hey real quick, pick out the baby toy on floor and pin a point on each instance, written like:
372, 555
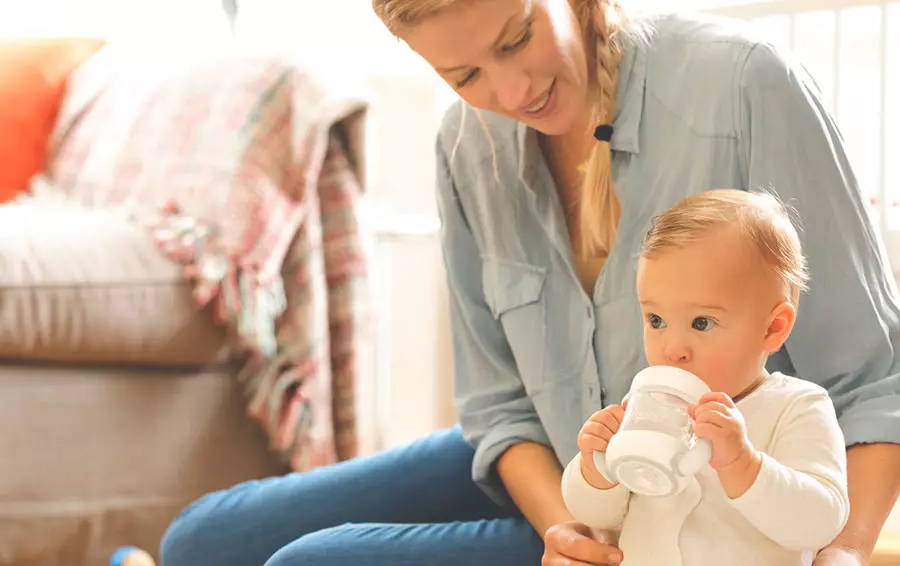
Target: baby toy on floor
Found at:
131, 556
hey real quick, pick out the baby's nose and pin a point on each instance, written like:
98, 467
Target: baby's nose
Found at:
678, 352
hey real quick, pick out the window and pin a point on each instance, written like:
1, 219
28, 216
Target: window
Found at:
852, 49
133, 20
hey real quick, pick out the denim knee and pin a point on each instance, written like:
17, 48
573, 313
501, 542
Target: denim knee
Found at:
176, 548
502, 542
329, 547
189, 537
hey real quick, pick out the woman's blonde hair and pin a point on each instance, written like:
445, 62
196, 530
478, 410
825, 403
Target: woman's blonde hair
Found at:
762, 219
601, 21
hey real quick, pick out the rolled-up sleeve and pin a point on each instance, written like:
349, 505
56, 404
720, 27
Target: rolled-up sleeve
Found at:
848, 325
493, 408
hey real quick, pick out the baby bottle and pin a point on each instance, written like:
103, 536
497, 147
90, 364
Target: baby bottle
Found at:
655, 451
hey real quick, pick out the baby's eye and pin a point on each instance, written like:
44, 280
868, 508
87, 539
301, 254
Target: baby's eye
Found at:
656, 321
702, 324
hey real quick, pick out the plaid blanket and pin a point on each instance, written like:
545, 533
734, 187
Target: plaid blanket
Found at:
248, 171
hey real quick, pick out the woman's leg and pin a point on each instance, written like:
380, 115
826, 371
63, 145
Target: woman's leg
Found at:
495, 542
428, 481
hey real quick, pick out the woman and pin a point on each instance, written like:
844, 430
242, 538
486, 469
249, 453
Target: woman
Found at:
540, 254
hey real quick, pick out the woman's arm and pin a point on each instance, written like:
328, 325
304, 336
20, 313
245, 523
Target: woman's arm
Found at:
847, 336
873, 470
532, 475
496, 415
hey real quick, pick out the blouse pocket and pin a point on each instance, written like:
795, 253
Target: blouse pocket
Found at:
514, 294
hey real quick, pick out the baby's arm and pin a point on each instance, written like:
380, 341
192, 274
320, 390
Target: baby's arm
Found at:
799, 499
598, 508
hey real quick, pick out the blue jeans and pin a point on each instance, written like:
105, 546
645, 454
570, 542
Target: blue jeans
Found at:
410, 505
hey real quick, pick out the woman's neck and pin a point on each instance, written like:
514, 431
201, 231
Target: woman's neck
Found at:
565, 155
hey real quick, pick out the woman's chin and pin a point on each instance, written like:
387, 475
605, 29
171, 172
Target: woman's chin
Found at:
560, 122
548, 129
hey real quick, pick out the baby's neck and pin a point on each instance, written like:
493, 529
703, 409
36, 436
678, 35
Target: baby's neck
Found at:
753, 386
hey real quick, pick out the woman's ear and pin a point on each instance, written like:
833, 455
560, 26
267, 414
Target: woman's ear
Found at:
779, 326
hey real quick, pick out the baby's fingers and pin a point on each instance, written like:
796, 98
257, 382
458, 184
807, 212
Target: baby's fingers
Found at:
717, 397
617, 412
601, 430
588, 443
611, 417
714, 417
710, 408
594, 436
607, 415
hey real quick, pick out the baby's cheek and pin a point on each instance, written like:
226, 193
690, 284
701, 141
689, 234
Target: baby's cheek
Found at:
721, 370
654, 350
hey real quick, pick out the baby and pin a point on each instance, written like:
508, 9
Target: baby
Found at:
719, 279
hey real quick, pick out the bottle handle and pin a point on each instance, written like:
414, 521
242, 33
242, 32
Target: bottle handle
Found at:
603, 467
695, 458
600, 457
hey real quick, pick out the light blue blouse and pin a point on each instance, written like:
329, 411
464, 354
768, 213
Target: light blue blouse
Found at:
702, 105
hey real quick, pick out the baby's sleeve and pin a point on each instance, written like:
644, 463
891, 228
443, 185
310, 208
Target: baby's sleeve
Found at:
599, 508
799, 499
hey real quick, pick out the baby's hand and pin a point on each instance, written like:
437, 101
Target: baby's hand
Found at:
594, 437
718, 420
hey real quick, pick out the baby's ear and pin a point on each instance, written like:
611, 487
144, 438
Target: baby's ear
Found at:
780, 323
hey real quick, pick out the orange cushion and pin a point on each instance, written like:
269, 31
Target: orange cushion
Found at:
33, 76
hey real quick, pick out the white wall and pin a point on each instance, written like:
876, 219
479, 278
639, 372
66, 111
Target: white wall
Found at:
132, 20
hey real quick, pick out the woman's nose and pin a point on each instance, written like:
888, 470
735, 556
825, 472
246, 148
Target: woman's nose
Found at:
510, 88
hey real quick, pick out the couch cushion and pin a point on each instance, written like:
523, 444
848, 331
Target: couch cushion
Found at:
106, 457
81, 285
33, 76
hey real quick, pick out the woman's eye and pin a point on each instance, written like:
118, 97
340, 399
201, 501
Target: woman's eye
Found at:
520, 41
515, 46
702, 324
468, 78
656, 321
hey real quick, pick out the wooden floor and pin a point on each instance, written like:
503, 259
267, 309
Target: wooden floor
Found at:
887, 551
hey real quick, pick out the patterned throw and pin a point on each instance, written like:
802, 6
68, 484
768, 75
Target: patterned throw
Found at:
248, 171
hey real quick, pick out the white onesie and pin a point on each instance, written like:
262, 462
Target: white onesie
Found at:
796, 506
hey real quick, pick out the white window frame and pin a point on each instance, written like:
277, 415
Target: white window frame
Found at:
885, 209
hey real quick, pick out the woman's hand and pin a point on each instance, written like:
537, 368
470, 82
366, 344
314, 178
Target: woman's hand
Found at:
835, 556
573, 544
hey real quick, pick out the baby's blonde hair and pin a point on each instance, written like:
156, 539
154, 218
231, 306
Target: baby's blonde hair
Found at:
761, 218
601, 21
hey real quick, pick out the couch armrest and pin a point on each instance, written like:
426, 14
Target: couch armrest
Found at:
88, 286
